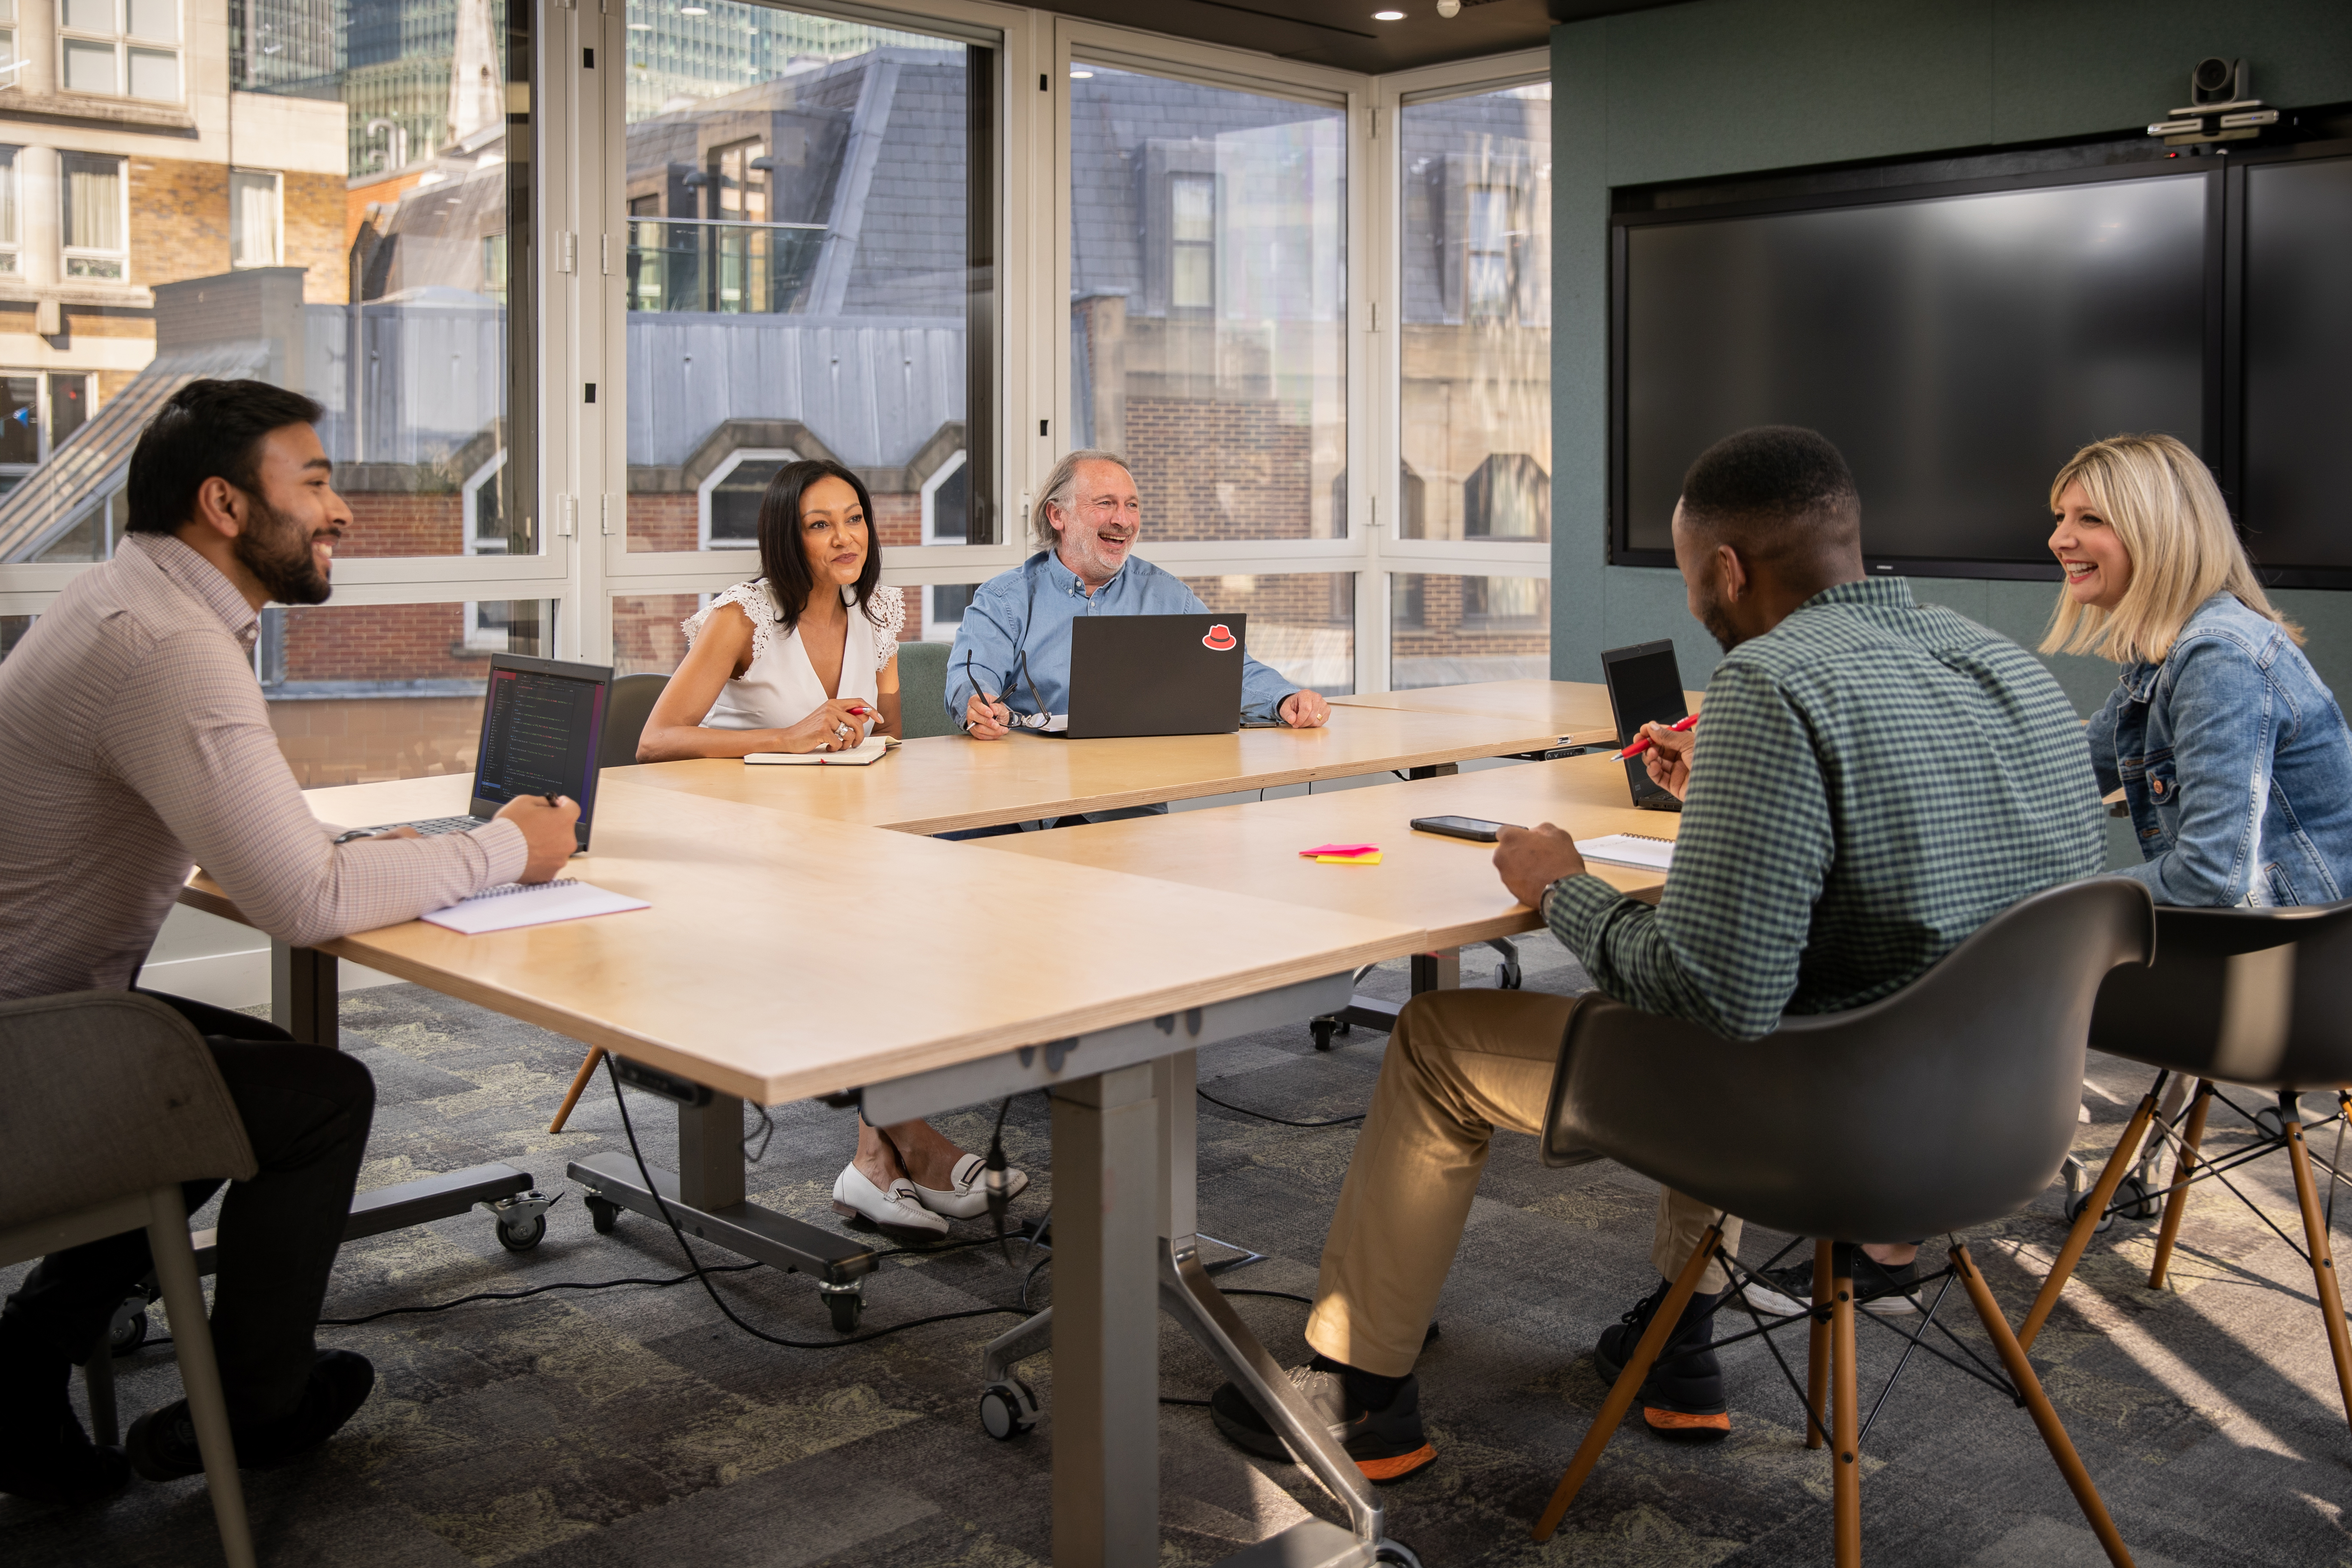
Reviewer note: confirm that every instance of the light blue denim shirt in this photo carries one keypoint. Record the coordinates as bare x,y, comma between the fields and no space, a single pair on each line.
2236,764
1030,608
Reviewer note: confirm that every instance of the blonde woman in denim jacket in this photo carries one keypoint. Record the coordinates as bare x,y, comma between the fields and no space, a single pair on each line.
2231,753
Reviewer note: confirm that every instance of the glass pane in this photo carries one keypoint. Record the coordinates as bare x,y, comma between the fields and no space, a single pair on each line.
7,57
20,418
7,193
155,74
252,219
1477,348
1445,630
809,263
355,228
90,67
158,21
363,693
1302,623
1208,270
91,15
649,637
69,406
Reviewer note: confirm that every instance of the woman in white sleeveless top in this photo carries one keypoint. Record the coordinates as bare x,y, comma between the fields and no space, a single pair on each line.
805,658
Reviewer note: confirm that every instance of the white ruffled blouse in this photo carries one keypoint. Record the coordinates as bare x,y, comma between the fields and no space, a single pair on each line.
780,687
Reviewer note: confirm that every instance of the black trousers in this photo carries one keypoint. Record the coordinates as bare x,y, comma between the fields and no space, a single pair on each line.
306,1110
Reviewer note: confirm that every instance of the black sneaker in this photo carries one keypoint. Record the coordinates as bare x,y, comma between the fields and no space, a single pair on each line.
1682,1399
1387,1444
1889,1292
162,1444
46,1457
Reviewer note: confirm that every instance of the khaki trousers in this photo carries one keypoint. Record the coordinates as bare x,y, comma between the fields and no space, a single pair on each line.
1460,1064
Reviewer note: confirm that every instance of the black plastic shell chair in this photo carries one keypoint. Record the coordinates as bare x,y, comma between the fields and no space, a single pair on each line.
1951,1103
2257,998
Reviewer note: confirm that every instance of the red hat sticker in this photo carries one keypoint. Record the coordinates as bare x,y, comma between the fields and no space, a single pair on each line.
1219,638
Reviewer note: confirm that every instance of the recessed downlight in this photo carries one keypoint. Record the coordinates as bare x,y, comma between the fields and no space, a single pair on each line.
1077,75
1387,16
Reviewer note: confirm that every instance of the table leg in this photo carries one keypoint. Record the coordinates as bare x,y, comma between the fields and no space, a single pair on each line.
711,1153
303,987
1438,970
1107,1335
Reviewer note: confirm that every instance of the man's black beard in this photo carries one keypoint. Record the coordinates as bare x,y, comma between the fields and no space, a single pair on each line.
1718,626
276,551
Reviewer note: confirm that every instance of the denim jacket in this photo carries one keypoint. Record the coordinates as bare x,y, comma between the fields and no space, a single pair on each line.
2236,764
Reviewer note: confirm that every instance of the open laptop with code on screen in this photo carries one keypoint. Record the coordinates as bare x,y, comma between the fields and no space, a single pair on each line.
540,721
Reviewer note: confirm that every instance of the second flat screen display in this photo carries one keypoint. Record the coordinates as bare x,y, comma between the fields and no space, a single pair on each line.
1957,350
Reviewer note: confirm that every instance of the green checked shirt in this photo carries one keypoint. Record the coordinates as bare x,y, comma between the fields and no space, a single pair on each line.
1874,780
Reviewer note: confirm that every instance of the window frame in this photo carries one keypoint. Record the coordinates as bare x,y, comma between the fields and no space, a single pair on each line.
68,252
276,178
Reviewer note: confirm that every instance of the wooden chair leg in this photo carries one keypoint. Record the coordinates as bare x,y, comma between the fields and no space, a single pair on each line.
1629,1382
1817,1375
579,1081
2111,1176
2175,1202
2029,1388
2322,1261
1845,1419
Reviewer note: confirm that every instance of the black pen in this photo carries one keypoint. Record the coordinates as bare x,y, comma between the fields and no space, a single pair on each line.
552,801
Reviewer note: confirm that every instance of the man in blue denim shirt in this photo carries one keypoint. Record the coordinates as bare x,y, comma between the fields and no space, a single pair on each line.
1013,651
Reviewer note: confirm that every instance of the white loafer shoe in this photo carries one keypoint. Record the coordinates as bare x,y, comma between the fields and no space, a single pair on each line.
896,1214
968,1199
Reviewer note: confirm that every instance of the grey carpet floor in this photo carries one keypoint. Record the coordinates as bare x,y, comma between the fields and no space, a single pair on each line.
636,1427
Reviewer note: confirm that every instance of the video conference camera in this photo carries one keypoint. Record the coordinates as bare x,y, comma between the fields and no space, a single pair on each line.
2220,108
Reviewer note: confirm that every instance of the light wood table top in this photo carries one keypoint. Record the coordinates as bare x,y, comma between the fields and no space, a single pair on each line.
1446,887
1576,712
783,959
944,782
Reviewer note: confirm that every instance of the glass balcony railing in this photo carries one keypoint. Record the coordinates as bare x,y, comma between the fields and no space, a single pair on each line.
719,265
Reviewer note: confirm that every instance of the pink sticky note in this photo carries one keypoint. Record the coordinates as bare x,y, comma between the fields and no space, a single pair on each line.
1322,849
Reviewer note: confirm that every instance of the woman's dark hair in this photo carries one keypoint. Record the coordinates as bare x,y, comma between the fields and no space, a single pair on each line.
209,429
784,559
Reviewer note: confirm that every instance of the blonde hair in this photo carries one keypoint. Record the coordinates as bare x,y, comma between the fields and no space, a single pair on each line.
2164,506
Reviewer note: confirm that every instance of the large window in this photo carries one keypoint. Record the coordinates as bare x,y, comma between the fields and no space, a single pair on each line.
95,220
121,48
255,225
1474,402
1209,302
9,264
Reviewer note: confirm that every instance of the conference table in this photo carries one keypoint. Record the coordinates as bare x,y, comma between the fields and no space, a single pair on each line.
1248,936
1574,712
945,784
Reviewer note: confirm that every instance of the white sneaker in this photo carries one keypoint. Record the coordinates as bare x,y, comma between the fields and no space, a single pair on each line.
896,1214
966,1198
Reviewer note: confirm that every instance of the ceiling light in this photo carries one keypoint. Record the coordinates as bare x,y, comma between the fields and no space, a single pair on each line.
1077,75
1387,16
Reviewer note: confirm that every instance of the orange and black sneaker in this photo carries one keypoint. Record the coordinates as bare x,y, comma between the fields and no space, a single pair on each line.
1387,1444
1682,1399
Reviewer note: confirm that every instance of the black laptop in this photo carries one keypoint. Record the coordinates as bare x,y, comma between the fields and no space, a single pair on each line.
1645,687
540,724
1155,675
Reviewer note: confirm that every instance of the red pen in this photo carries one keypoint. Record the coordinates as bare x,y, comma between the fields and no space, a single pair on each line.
1641,743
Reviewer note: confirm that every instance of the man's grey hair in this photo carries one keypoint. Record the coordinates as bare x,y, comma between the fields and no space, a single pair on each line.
1061,489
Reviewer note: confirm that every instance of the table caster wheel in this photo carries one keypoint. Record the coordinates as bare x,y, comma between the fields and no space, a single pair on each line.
1323,1028
524,1234
127,1331
2075,1206
2133,1199
843,1306
603,1213
1007,1410
1509,977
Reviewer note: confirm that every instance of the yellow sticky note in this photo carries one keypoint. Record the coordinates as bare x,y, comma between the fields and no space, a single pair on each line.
1371,859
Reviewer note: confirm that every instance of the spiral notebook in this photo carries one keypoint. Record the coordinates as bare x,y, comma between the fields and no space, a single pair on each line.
1630,849
515,905
873,749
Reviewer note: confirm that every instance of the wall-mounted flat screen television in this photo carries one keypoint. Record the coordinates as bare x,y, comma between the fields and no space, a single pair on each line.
2293,482
1956,347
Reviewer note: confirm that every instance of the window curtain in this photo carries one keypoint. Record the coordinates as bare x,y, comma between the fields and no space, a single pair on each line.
93,203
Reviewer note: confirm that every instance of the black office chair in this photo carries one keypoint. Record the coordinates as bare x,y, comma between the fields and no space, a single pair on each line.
630,704
1948,1104
2256,997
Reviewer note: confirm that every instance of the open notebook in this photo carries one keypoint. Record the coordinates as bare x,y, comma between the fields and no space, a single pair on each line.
1630,849
872,748
544,903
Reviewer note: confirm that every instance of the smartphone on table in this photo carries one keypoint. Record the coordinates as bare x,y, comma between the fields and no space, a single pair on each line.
1476,829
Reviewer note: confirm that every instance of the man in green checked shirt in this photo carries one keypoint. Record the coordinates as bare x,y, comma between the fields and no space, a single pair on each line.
1878,778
